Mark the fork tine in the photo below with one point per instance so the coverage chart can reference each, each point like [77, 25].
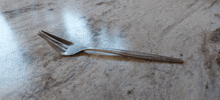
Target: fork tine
[57, 48]
[55, 41]
[57, 38]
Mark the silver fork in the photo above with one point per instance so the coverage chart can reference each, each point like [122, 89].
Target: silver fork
[65, 47]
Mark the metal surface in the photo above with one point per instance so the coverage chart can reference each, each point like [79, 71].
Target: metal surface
[65, 47]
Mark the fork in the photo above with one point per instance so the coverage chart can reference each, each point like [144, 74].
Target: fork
[68, 48]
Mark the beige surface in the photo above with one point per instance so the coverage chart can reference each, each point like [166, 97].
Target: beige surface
[188, 29]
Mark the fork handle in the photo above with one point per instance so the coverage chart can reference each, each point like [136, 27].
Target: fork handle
[142, 55]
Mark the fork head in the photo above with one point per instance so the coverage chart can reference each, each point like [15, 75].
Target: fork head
[62, 46]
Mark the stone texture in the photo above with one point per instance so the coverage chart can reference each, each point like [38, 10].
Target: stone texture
[189, 29]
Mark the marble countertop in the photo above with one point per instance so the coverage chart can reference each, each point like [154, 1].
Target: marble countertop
[188, 29]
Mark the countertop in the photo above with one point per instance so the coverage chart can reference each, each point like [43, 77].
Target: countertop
[188, 29]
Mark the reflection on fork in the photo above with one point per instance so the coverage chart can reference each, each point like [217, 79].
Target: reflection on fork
[65, 47]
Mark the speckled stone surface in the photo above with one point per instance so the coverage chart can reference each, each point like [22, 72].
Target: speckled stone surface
[189, 29]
